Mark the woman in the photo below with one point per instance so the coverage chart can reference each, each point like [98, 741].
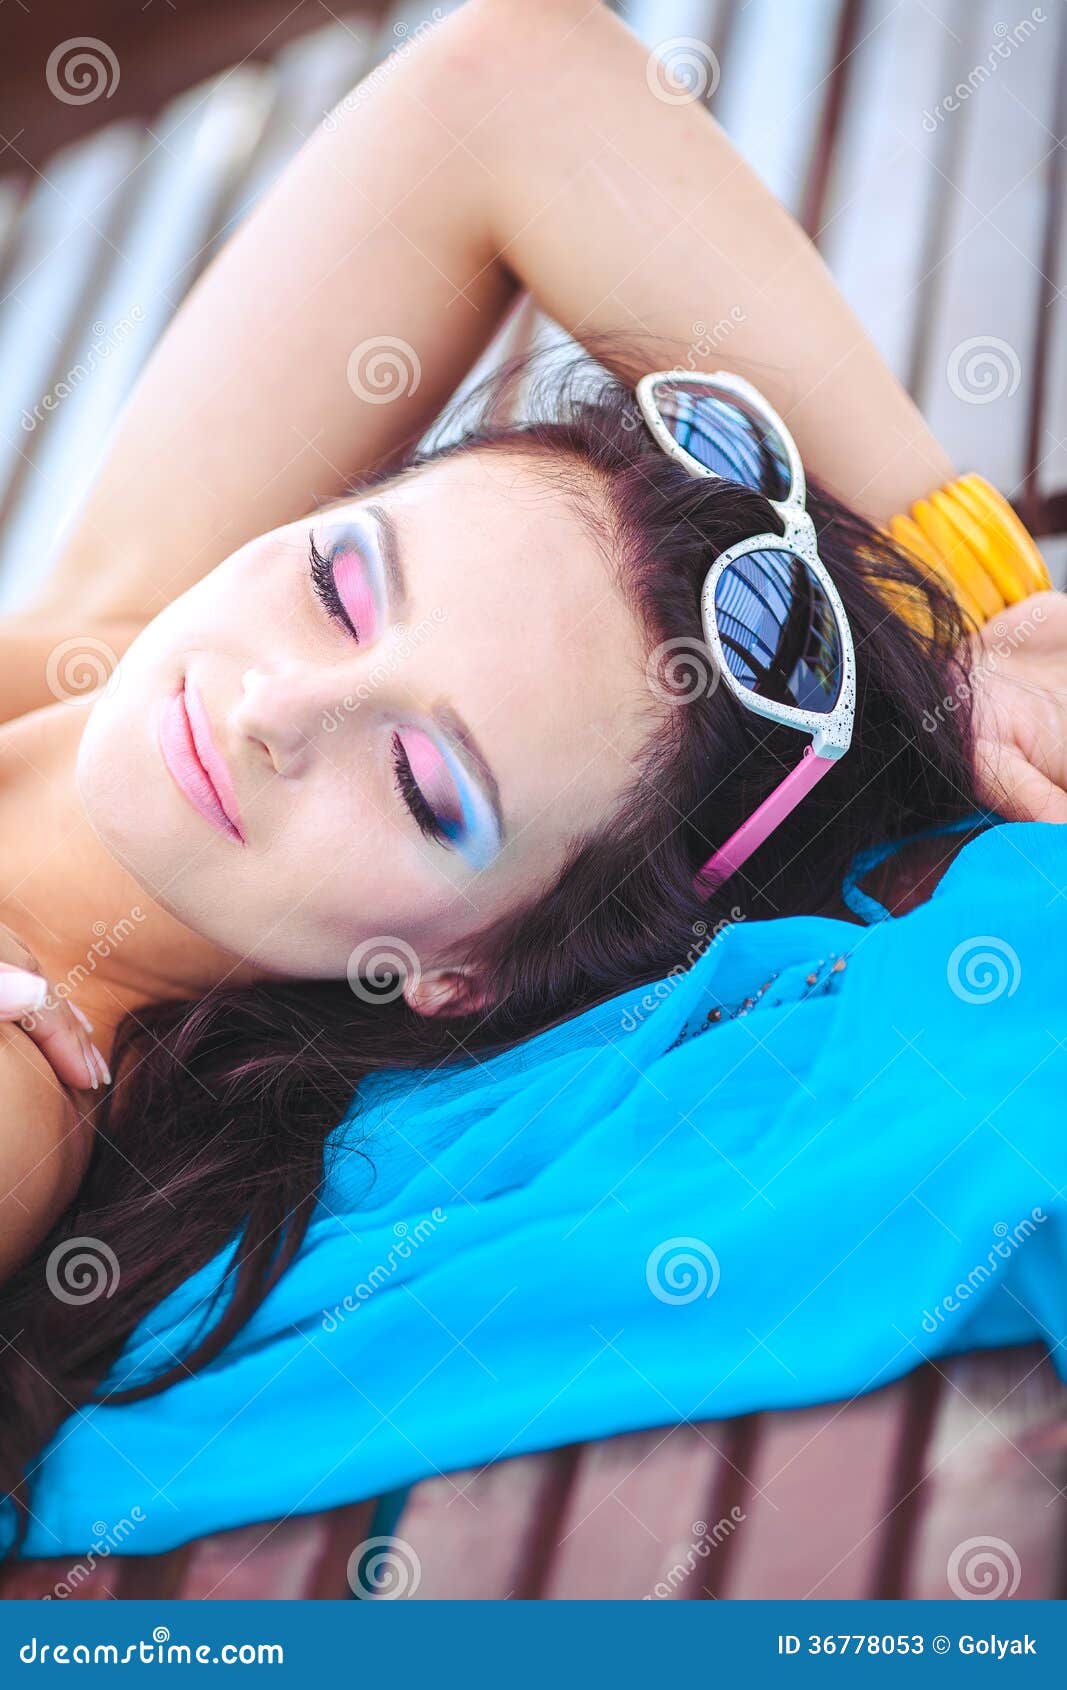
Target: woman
[437, 719]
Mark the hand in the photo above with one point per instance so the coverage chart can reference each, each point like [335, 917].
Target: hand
[1020, 709]
[55, 1025]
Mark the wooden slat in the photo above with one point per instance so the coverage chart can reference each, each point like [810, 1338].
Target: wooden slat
[827, 1492]
[1054, 553]
[304, 1556]
[311, 75]
[74, 1579]
[68, 222]
[977, 381]
[162, 48]
[12, 193]
[487, 1534]
[995, 1474]
[658, 22]
[199, 146]
[1049, 446]
[648, 1514]
[776, 68]
[884, 186]
[344, 1530]
[98, 1573]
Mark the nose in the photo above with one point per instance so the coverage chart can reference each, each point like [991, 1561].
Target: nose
[288, 706]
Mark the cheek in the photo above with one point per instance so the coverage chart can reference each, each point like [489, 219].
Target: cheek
[337, 887]
[119, 773]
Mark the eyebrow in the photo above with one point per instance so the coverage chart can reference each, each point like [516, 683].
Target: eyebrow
[389, 538]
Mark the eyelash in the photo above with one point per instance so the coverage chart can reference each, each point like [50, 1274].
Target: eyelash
[407, 787]
[411, 794]
[326, 590]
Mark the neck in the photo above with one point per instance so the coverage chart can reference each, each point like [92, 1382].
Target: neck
[102, 940]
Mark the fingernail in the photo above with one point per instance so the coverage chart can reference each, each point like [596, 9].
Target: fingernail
[104, 1069]
[91, 1064]
[21, 991]
[82, 1017]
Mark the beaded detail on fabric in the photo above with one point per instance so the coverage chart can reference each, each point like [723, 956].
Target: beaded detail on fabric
[822, 977]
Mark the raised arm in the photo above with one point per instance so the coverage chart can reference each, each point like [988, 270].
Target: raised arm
[511, 145]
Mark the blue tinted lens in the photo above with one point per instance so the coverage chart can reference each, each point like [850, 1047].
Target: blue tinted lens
[724, 435]
[778, 630]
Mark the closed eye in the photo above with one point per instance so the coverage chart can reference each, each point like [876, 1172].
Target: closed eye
[411, 794]
[349, 577]
[325, 585]
[447, 804]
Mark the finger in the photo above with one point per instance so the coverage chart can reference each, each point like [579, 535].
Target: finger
[1010, 784]
[14, 952]
[82, 1017]
[76, 1060]
[24, 998]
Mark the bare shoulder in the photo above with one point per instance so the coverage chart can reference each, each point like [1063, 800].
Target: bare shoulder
[44, 1146]
[38, 654]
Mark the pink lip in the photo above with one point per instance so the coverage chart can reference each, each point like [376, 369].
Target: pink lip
[193, 760]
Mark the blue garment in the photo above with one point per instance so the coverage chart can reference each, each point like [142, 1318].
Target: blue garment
[768, 1181]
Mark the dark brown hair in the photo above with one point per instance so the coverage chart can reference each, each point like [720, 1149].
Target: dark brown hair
[243, 1087]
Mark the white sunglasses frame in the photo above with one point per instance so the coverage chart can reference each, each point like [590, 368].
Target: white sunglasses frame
[832, 730]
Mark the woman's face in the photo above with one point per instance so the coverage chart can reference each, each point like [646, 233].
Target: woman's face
[301, 781]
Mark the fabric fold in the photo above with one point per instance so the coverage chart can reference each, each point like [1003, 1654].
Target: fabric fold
[785, 1175]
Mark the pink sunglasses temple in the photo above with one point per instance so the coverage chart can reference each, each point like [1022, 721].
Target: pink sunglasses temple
[763, 821]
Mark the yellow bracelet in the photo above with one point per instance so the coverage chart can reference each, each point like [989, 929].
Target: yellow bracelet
[968, 535]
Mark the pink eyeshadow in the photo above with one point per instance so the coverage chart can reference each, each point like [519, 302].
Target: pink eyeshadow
[356, 593]
[432, 775]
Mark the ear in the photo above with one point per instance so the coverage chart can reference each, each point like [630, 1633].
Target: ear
[444, 991]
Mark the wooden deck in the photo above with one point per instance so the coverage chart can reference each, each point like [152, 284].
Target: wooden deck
[952, 1482]
[946, 231]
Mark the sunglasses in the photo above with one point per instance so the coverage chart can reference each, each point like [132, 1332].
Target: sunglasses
[773, 621]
